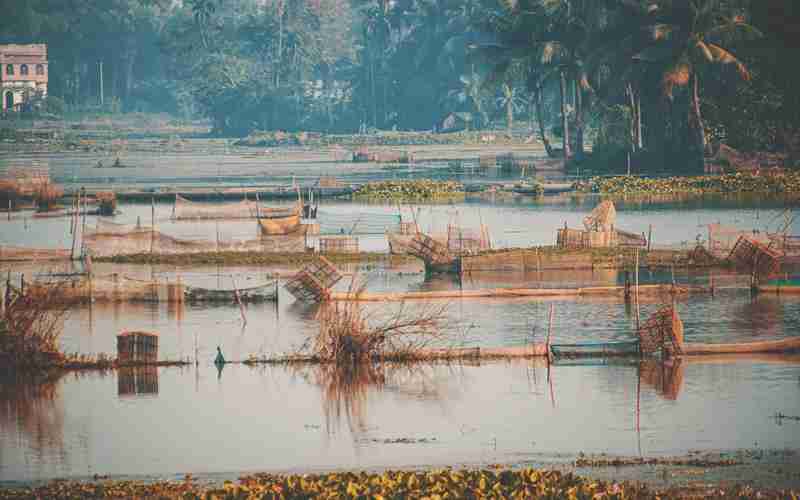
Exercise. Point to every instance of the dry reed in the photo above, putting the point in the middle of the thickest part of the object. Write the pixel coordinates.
(30, 329)
(350, 335)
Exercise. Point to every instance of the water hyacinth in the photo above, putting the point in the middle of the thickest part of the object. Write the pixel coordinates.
(435, 484)
(416, 190)
(740, 182)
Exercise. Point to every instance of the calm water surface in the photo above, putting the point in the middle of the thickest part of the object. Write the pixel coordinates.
(173, 421)
(178, 420)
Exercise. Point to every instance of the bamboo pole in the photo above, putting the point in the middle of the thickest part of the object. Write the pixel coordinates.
(636, 291)
(549, 330)
(238, 300)
(83, 225)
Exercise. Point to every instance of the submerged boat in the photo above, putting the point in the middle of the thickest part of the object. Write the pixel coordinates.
(262, 293)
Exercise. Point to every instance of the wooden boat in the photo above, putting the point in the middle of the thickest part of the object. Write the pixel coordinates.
(280, 225)
(596, 349)
(548, 188)
(262, 293)
(557, 187)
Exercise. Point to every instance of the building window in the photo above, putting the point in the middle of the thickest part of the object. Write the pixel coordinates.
(40, 70)
(23, 69)
(9, 69)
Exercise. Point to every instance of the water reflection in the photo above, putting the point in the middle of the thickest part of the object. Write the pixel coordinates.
(32, 410)
(761, 317)
(666, 377)
(139, 381)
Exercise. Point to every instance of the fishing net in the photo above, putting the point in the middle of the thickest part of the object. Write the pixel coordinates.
(722, 239)
(755, 257)
(112, 240)
(429, 249)
(108, 289)
(139, 347)
(338, 244)
(467, 241)
(10, 253)
(602, 218)
(314, 282)
(578, 238)
(246, 209)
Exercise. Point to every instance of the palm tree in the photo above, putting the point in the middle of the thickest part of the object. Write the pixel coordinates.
(681, 39)
(554, 37)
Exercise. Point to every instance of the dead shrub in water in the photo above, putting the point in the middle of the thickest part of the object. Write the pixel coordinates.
(30, 329)
(349, 335)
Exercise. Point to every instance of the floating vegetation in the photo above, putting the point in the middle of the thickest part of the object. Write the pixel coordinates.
(741, 182)
(435, 484)
(604, 461)
(415, 190)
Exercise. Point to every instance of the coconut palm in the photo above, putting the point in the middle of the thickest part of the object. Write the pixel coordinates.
(553, 37)
(679, 39)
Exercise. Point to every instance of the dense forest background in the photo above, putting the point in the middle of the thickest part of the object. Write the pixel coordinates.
(663, 76)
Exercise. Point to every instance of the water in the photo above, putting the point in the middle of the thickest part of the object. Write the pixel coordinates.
(519, 224)
(160, 422)
(283, 419)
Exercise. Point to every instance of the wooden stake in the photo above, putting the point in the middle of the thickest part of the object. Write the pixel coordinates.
(83, 226)
(649, 236)
(636, 290)
(549, 331)
(712, 283)
(238, 300)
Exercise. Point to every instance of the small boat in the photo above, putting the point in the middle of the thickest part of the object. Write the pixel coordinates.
(262, 293)
(595, 349)
(557, 187)
(273, 226)
(547, 187)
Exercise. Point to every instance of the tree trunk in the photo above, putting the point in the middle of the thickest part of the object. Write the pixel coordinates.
(632, 103)
(542, 135)
(578, 121)
(697, 137)
(508, 91)
(564, 118)
(130, 62)
(639, 138)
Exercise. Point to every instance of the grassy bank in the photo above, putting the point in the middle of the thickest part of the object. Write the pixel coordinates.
(434, 484)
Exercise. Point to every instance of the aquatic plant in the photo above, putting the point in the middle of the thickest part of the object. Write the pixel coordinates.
(441, 484)
(423, 189)
(740, 182)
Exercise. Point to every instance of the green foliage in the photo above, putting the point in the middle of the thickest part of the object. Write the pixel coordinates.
(338, 66)
(728, 183)
(417, 190)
